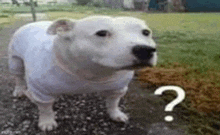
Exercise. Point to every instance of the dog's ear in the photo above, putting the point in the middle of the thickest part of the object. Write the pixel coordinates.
(61, 27)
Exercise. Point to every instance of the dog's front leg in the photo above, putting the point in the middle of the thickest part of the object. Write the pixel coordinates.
(46, 116)
(112, 102)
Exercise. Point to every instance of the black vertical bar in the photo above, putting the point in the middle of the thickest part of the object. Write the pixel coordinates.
(33, 10)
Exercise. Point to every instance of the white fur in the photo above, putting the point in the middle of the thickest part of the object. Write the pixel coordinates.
(82, 53)
(113, 51)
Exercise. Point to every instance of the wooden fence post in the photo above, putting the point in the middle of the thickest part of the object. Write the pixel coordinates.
(33, 10)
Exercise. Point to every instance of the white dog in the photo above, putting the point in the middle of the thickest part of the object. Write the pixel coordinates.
(94, 54)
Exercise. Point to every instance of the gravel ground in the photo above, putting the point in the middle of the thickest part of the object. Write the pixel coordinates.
(83, 114)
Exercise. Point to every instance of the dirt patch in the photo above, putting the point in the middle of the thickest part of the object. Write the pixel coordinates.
(204, 94)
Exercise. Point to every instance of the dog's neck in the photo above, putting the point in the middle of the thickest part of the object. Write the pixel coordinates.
(82, 68)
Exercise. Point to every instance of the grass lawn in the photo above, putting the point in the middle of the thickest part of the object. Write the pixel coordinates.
(189, 54)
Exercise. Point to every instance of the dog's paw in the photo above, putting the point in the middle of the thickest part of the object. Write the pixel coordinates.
(19, 91)
(118, 116)
(47, 125)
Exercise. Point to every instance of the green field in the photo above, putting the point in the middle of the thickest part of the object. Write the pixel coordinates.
(189, 40)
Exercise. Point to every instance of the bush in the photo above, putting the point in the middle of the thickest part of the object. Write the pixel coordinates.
(4, 15)
(7, 11)
(96, 4)
(83, 2)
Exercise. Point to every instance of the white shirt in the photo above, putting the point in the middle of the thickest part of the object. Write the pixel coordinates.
(46, 80)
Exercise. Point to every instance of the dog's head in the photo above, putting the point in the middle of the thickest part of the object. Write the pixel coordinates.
(119, 43)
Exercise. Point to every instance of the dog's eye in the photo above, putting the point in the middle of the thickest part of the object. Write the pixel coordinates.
(146, 32)
(102, 33)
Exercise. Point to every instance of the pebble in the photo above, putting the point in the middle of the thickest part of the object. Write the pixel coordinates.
(14, 106)
(122, 129)
(15, 100)
(88, 118)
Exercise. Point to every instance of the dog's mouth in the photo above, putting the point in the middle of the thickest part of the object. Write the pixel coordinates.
(137, 65)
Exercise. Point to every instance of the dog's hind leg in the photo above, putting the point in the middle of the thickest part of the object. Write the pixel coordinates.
(20, 86)
(16, 67)
(112, 102)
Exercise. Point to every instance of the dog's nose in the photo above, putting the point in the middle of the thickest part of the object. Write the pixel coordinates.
(143, 52)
